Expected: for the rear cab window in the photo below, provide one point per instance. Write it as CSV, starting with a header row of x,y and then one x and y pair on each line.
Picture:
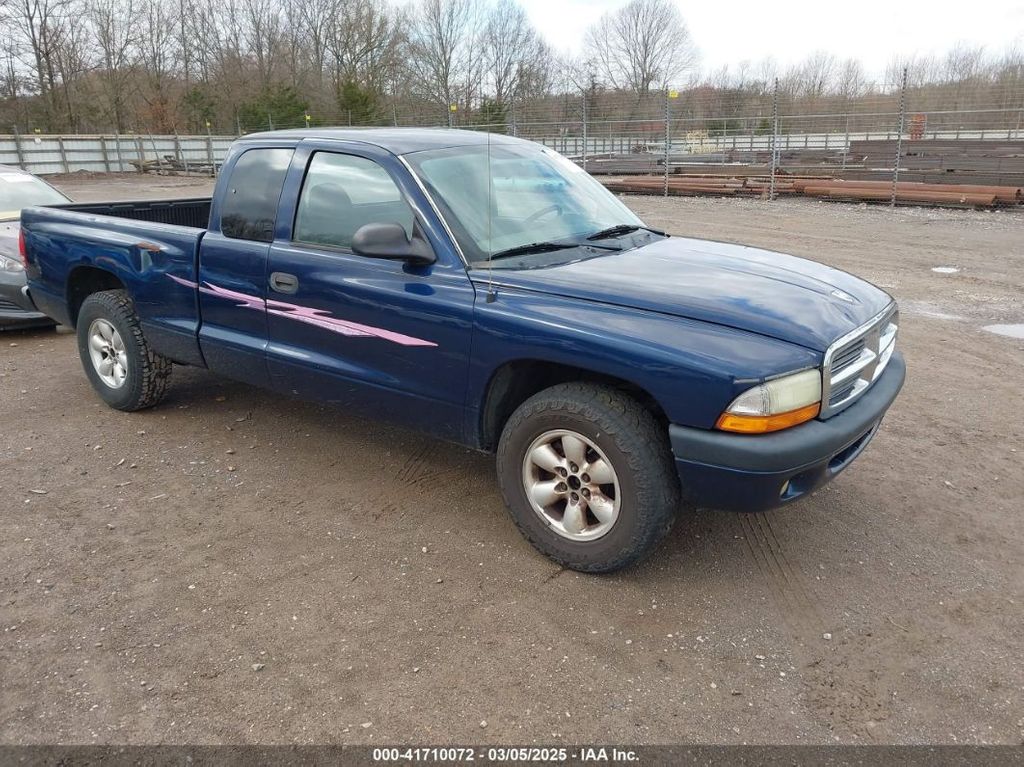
x,y
249,206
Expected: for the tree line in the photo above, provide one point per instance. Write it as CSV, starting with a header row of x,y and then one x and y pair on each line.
x,y
227,66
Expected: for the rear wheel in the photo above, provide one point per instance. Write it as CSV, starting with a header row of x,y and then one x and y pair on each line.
x,y
121,367
587,473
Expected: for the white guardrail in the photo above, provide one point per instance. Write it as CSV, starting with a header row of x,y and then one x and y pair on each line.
x,y
45,154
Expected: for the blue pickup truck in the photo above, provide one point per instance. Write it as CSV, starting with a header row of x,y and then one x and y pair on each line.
x,y
486,290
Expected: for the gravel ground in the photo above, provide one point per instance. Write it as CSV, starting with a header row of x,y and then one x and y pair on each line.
x,y
237,567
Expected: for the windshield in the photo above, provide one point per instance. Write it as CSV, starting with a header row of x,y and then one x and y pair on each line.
x,y
20,190
536,196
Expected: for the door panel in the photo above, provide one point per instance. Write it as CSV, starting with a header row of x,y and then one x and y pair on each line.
x,y
381,337
233,263
384,338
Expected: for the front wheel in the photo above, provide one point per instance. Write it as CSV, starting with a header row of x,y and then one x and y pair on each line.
x,y
121,367
587,473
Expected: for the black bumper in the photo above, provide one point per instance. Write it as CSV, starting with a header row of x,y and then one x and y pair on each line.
x,y
757,472
16,308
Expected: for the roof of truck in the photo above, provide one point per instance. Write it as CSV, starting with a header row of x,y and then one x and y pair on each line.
x,y
394,140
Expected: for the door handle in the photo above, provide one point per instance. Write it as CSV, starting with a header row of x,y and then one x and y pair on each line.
x,y
284,283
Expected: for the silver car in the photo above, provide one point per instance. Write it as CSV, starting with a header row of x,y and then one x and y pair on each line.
x,y
18,190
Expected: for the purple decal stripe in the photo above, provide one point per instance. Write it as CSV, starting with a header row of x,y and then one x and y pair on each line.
x,y
316,317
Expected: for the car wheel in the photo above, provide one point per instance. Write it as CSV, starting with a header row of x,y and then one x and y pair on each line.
x,y
126,373
587,473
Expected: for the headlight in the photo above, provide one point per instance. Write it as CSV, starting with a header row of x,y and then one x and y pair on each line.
x,y
773,405
10,264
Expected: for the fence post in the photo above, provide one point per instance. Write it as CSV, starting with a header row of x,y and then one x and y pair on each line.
x,y
515,126
584,130
117,152
899,137
18,149
63,154
775,140
667,133
106,156
141,153
846,142
209,150
179,154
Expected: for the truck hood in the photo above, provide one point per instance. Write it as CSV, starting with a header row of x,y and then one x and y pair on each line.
x,y
773,294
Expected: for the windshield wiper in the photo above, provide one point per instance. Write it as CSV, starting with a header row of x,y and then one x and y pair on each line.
x,y
615,231
544,247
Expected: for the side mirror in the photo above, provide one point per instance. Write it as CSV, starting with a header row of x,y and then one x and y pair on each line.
x,y
391,241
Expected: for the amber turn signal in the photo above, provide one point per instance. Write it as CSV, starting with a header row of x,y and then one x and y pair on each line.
x,y
762,424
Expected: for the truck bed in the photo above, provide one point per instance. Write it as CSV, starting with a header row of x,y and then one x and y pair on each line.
x,y
150,247
193,212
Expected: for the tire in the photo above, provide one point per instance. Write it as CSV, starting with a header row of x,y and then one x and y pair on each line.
x,y
145,374
615,429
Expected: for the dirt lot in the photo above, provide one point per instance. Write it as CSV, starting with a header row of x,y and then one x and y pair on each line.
x,y
375,581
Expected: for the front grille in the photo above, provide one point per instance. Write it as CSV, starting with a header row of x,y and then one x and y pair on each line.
x,y
847,355
856,361
840,393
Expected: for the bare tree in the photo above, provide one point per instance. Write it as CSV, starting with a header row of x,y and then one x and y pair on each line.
x,y
513,47
812,78
39,24
71,61
113,24
851,82
438,47
361,44
963,63
263,26
311,23
920,70
537,77
156,57
643,45
159,65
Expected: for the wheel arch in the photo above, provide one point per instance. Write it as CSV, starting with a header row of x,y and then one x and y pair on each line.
x,y
515,381
85,280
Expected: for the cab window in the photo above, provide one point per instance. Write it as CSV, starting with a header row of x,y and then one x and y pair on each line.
x,y
249,209
342,193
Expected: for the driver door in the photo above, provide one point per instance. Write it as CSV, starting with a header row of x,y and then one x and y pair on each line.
x,y
382,337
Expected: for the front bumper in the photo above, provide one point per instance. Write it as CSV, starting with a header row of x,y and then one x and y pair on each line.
x,y
16,309
757,472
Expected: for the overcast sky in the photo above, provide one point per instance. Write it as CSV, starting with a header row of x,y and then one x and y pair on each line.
x,y
872,30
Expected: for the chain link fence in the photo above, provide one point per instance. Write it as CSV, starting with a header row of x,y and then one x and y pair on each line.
x,y
934,134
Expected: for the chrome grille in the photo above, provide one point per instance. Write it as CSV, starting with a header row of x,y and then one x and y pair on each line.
x,y
848,355
856,360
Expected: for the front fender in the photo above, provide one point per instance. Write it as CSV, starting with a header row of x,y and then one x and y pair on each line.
x,y
692,369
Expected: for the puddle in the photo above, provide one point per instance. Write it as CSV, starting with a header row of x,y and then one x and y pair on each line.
x,y
945,269
1013,331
